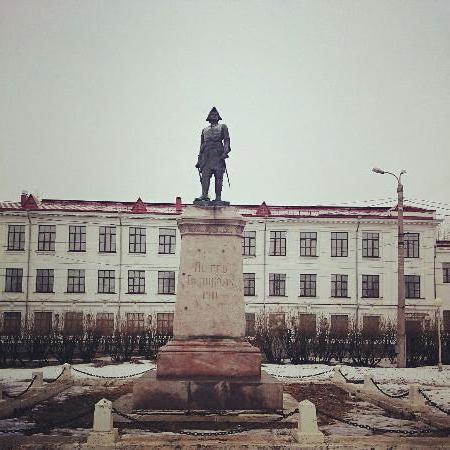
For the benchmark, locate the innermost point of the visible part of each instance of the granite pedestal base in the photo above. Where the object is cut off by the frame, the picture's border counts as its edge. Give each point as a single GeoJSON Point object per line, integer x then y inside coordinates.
{"type": "Point", "coordinates": [192, 358]}
{"type": "Point", "coordinates": [264, 393]}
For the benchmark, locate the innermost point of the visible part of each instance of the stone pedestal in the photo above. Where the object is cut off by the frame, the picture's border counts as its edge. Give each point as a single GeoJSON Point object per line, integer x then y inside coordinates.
{"type": "Point", "coordinates": [208, 364]}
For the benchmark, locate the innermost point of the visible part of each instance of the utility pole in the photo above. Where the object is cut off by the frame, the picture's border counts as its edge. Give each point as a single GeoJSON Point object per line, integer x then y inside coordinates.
{"type": "Point", "coordinates": [401, 316]}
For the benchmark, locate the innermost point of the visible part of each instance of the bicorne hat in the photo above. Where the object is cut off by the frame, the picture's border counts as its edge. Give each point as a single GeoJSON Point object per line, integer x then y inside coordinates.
{"type": "Point", "coordinates": [213, 110]}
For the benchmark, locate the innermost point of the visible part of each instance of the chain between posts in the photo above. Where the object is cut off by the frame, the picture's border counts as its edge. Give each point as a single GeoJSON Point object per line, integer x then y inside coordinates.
{"type": "Point", "coordinates": [23, 392]}
{"type": "Point", "coordinates": [305, 376]}
{"type": "Point", "coordinates": [109, 377]}
{"type": "Point", "coordinates": [349, 380]}
{"type": "Point", "coordinates": [399, 395]}
{"type": "Point", "coordinates": [432, 403]}
{"type": "Point", "coordinates": [58, 377]}
{"type": "Point", "coordinates": [237, 430]}
{"type": "Point", "coordinates": [384, 430]}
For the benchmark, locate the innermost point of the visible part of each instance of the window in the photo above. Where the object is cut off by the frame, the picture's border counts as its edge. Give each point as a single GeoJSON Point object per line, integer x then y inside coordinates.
{"type": "Point", "coordinates": [167, 240]}
{"type": "Point", "coordinates": [276, 320]}
{"type": "Point", "coordinates": [73, 323]}
{"type": "Point", "coordinates": [42, 323]}
{"type": "Point", "coordinates": [135, 322]}
{"type": "Point", "coordinates": [13, 280]}
{"type": "Point", "coordinates": [12, 322]}
{"type": "Point", "coordinates": [412, 286]}
{"type": "Point", "coordinates": [136, 281]}
{"type": "Point", "coordinates": [339, 325]}
{"type": "Point", "coordinates": [370, 286]}
{"type": "Point", "coordinates": [446, 320]}
{"type": "Point", "coordinates": [104, 323]}
{"type": "Point", "coordinates": [164, 323]}
{"type": "Point", "coordinates": [249, 243]}
{"type": "Point", "coordinates": [308, 244]}
{"type": "Point", "coordinates": [137, 240]}
{"type": "Point", "coordinates": [339, 285]}
{"type": "Point", "coordinates": [16, 237]}
{"type": "Point", "coordinates": [166, 282]}
{"type": "Point", "coordinates": [46, 238]}
{"type": "Point", "coordinates": [75, 281]}
{"type": "Point", "coordinates": [249, 284]}
{"type": "Point", "coordinates": [44, 280]}
{"type": "Point", "coordinates": [371, 245]}
{"type": "Point", "coordinates": [107, 240]}
{"type": "Point", "coordinates": [308, 284]}
{"type": "Point", "coordinates": [277, 243]}
{"type": "Point", "coordinates": [411, 243]}
{"type": "Point", "coordinates": [307, 324]}
{"type": "Point", "coordinates": [77, 238]}
{"type": "Point", "coordinates": [277, 284]}
{"type": "Point", "coordinates": [371, 325]}
{"type": "Point", "coordinates": [446, 272]}
{"type": "Point", "coordinates": [339, 244]}
{"type": "Point", "coordinates": [106, 281]}
{"type": "Point", "coordinates": [250, 326]}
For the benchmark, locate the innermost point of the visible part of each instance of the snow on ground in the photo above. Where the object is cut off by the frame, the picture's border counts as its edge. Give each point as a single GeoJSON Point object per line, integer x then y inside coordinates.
{"type": "Point", "coordinates": [50, 372]}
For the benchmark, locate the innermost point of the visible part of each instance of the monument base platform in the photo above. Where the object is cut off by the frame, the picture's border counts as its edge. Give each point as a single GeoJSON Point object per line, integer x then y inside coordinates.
{"type": "Point", "coordinates": [262, 394]}
{"type": "Point", "coordinates": [208, 358]}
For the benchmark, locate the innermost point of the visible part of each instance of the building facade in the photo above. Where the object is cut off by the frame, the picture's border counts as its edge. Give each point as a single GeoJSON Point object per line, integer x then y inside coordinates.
{"type": "Point", "coordinates": [65, 262]}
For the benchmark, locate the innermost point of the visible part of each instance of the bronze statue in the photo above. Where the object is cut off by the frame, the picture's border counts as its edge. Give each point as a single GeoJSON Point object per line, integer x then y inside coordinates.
{"type": "Point", "coordinates": [214, 149]}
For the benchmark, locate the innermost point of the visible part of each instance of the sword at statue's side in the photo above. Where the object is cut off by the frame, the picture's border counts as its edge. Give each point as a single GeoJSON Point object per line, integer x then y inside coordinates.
{"type": "Point", "coordinates": [226, 171]}
{"type": "Point", "coordinates": [199, 174]}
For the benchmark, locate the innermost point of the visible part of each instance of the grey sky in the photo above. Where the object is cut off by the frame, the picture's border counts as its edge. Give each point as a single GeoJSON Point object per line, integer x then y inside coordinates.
{"type": "Point", "coordinates": [106, 99]}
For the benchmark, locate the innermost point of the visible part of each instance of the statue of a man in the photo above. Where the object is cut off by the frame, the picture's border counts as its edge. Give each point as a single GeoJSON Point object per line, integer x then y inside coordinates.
{"type": "Point", "coordinates": [214, 149]}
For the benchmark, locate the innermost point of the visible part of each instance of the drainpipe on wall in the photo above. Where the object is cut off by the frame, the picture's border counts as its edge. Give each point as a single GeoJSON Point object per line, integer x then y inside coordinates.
{"type": "Point", "coordinates": [357, 275]}
{"type": "Point", "coordinates": [120, 269]}
{"type": "Point", "coordinates": [27, 293]}
{"type": "Point", "coordinates": [434, 270]}
{"type": "Point", "coordinates": [264, 266]}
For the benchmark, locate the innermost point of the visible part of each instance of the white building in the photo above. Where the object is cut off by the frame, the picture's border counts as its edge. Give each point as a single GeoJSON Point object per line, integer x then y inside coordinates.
{"type": "Point", "coordinates": [67, 261]}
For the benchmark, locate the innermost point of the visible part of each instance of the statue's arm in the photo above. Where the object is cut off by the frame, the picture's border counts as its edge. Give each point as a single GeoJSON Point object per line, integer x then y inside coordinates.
{"type": "Point", "coordinates": [202, 144]}
{"type": "Point", "coordinates": [226, 141]}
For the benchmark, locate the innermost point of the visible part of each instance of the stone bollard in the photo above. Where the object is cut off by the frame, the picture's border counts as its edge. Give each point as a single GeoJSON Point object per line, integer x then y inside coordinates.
{"type": "Point", "coordinates": [103, 432]}
{"type": "Point", "coordinates": [308, 432]}
{"type": "Point", "coordinates": [67, 374]}
{"type": "Point", "coordinates": [415, 398]}
{"type": "Point", "coordinates": [337, 375]}
{"type": "Point", "coordinates": [39, 381]}
{"type": "Point", "coordinates": [369, 385]}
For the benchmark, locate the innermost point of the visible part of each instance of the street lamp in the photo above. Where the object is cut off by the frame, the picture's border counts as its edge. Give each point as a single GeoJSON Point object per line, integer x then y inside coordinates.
{"type": "Point", "coordinates": [401, 335]}
{"type": "Point", "coordinates": [438, 304]}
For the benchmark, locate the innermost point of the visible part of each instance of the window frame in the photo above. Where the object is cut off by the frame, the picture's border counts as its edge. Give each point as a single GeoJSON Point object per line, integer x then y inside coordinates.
{"type": "Point", "coordinates": [76, 282]}
{"type": "Point", "coordinates": [446, 272]}
{"type": "Point", "coordinates": [277, 284]}
{"type": "Point", "coordinates": [14, 279]}
{"type": "Point", "coordinates": [73, 323]}
{"type": "Point", "coordinates": [167, 242]}
{"type": "Point", "coordinates": [370, 285]}
{"type": "Point", "coordinates": [337, 285]}
{"type": "Point", "coordinates": [137, 241]}
{"type": "Point", "coordinates": [412, 285]}
{"type": "Point", "coordinates": [308, 243]}
{"type": "Point", "coordinates": [107, 239]}
{"type": "Point", "coordinates": [45, 327]}
{"type": "Point", "coordinates": [166, 282]}
{"type": "Point", "coordinates": [308, 285]}
{"type": "Point", "coordinates": [249, 243]}
{"type": "Point", "coordinates": [277, 243]}
{"type": "Point", "coordinates": [249, 284]}
{"type": "Point", "coordinates": [338, 249]}
{"type": "Point", "coordinates": [135, 287]}
{"type": "Point", "coordinates": [16, 238]}
{"type": "Point", "coordinates": [77, 238]}
{"type": "Point", "coordinates": [12, 327]}
{"type": "Point", "coordinates": [370, 244]}
{"type": "Point", "coordinates": [46, 238]}
{"type": "Point", "coordinates": [411, 245]}
{"type": "Point", "coordinates": [106, 281]}
{"type": "Point", "coordinates": [164, 323]}
{"type": "Point", "coordinates": [45, 278]}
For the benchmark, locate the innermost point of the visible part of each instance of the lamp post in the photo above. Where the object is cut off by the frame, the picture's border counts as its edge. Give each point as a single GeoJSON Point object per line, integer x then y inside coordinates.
{"type": "Point", "coordinates": [438, 304]}
{"type": "Point", "coordinates": [401, 334]}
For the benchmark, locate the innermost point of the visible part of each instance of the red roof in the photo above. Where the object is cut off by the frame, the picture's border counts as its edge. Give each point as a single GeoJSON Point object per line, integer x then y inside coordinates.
{"type": "Point", "coordinates": [114, 207]}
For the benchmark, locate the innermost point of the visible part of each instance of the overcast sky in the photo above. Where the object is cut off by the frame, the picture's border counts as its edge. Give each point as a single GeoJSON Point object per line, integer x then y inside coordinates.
{"type": "Point", "coordinates": [106, 99]}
